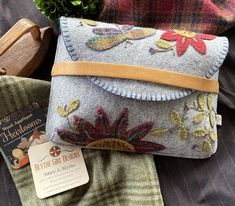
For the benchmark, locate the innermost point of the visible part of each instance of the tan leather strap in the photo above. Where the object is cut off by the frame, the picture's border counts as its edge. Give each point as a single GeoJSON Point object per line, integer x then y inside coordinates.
{"type": "Point", "coordinates": [18, 30]}
{"type": "Point", "coordinates": [154, 75]}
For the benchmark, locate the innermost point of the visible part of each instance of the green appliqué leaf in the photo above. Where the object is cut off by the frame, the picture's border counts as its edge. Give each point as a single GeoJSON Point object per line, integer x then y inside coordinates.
{"type": "Point", "coordinates": [159, 132]}
{"type": "Point", "coordinates": [162, 44]}
{"type": "Point", "coordinates": [200, 133]}
{"type": "Point", "coordinates": [200, 116]}
{"type": "Point", "coordinates": [182, 133]}
{"type": "Point", "coordinates": [209, 101]}
{"type": "Point", "coordinates": [212, 119]}
{"type": "Point", "coordinates": [175, 117]}
{"type": "Point", "coordinates": [201, 101]}
{"type": "Point", "coordinates": [206, 146]}
{"type": "Point", "coordinates": [213, 136]}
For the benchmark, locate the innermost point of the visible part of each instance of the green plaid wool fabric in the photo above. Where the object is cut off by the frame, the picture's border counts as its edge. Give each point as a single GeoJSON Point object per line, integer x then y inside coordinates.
{"type": "Point", "coordinates": [116, 178]}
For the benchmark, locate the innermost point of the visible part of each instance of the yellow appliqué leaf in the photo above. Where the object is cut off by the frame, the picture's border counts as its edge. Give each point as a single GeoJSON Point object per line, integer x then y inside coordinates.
{"type": "Point", "coordinates": [60, 110]}
{"type": "Point", "coordinates": [209, 101]}
{"type": "Point", "coordinates": [213, 136]}
{"type": "Point", "coordinates": [175, 117]}
{"type": "Point", "coordinates": [89, 22]}
{"type": "Point", "coordinates": [159, 132]}
{"type": "Point", "coordinates": [212, 119]}
{"type": "Point", "coordinates": [200, 133]}
{"type": "Point", "coordinates": [163, 44]}
{"type": "Point", "coordinates": [182, 133]}
{"type": "Point", "coordinates": [200, 116]}
{"type": "Point", "coordinates": [201, 101]}
{"type": "Point", "coordinates": [136, 34]}
{"type": "Point", "coordinates": [64, 111]}
{"type": "Point", "coordinates": [206, 146]}
{"type": "Point", "coordinates": [73, 105]}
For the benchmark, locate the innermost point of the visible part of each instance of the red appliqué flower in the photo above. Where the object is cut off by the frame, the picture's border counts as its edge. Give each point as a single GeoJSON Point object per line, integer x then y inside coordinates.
{"type": "Point", "coordinates": [184, 39]}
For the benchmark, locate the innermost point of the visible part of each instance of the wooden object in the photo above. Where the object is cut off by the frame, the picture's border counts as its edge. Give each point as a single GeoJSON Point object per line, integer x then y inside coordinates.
{"type": "Point", "coordinates": [23, 48]}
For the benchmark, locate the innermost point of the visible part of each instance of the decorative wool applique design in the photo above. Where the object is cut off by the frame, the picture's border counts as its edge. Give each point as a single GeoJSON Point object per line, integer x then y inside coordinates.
{"type": "Point", "coordinates": [162, 46]}
{"type": "Point", "coordinates": [88, 22]}
{"type": "Point", "coordinates": [111, 37]}
{"type": "Point", "coordinates": [179, 124]}
{"type": "Point", "coordinates": [204, 110]}
{"type": "Point", "coordinates": [112, 137]}
{"type": "Point", "coordinates": [184, 39]}
{"type": "Point", "coordinates": [64, 111]}
{"type": "Point", "coordinates": [203, 107]}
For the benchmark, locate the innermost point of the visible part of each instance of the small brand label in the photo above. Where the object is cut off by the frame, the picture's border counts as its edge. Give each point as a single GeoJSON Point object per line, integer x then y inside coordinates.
{"type": "Point", "coordinates": [219, 120]}
{"type": "Point", "coordinates": [19, 130]}
{"type": "Point", "coordinates": [57, 168]}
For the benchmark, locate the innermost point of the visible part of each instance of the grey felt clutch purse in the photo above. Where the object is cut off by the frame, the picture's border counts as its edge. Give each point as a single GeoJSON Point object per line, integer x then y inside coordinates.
{"type": "Point", "coordinates": [142, 90]}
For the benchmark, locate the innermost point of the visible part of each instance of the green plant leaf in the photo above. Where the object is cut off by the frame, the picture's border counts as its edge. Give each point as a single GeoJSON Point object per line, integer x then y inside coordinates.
{"type": "Point", "coordinates": [213, 135]}
{"type": "Point", "coordinates": [182, 133]}
{"type": "Point", "coordinates": [76, 2]}
{"type": "Point", "coordinates": [200, 133]}
{"type": "Point", "coordinates": [200, 116]}
{"type": "Point", "coordinates": [209, 101]}
{"type": "Point", "coordinates": [201, 101]}
{"type": "Point", "coordinates": [175, 117]}
{"type": "Point", "coordinates": [212, 119]}
{"type": "Point", "coordinates": [159, 132]}
{"type": "Point", "coordinates": [54, 9]}
{"type": "Point", "coordinates": [206, 146]}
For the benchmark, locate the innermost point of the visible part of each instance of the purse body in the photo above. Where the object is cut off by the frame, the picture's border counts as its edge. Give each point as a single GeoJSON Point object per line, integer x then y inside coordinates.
{"type": "Point", "coordinates": [135, 115]}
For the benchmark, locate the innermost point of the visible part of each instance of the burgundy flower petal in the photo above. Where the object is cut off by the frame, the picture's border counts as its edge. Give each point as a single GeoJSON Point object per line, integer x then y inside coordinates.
{"type": "Point", "coordinates": [72, 137]}
{"type": "Point", "coordinates": [182, 45]}
{"type": "Point", "coordinates": [139, 132]}
{"type": "Point", "coordinates": [198, 44]}
{"type": "Point", "coordinates": [102, 124]}
{"type": "Point", "coordinates": [119, 127]}
{"type": "Point", "coordinates": [169, 36]}
{"type": "Point", "coordinates": [207, 36]}
{"type": "Point", "coordinates": [147, 147]}
{"type": "Point", "coordinates": [85, 128]}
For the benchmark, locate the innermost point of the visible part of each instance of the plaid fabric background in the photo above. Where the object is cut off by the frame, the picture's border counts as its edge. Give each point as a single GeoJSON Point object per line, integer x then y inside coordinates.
{"type": "Point", "coordinates": [199, 15]}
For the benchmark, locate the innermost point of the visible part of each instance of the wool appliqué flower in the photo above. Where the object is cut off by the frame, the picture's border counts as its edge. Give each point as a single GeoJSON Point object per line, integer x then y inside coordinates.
{"type": "Point", "coordinates": [104, 135]}
{"type": "Point", "coordinates": [184, 39]}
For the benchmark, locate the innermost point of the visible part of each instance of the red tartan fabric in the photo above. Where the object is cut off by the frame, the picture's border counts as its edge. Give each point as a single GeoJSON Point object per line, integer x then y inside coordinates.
{"type": "Point", "coordinates": [193, 15]}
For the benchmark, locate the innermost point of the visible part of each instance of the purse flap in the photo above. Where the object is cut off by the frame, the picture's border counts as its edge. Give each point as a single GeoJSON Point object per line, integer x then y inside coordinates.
{"type": "Point", "coordinates": [173, 50]}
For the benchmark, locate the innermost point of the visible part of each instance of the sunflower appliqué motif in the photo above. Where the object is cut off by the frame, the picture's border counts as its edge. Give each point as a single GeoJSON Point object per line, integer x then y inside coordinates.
{"type": "Point", "coordinates": [104, 135]}
{"type": "Point", "coordinates": [183, 40]}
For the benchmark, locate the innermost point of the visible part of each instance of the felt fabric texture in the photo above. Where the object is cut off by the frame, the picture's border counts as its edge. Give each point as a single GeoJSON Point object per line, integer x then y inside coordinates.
{"type": "Point", "coordinates": [206, 16]}
{"type": "Point", "coordinates": [191, 62]}
{"type": "Point", "coordinates": [185, 127]}
{"type": "Point", "coordinates": [113, 180]}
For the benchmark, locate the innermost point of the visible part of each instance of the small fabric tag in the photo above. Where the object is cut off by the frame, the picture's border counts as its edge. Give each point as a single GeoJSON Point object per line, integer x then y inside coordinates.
{"type": "Point", "coordinates": [57, 168]}
{"type": "Point", "coordinates": [219, 120]}
{"type": "Point", "coordinates": [19, 130]}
